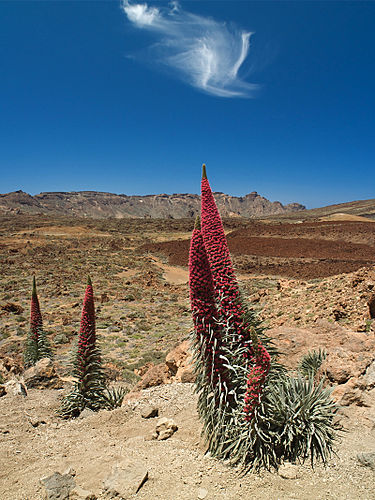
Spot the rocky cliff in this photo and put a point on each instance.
(102, 205)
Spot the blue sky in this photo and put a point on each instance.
(274, 96)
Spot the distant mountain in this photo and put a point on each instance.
(103, 205)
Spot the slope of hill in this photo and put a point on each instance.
(103, 205)
(341, 211)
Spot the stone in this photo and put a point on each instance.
(349, 353)
(43, 375)
(79, 493)
(369, 377)
(58, 486)
(185, 374)
(11, 307)
(156, 375)
(349, 394)
(86, 413)
(150, 412)
(10, 366)
(202, 493)
(367, 459)
(371, 306)
(288, 471)
(180, 363)
(175, 358)
(126, 479)
(35, 421)
(2, 391)
(165, 428)
(16, 387)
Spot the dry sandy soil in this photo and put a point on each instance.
(177, 467)
(294, 275)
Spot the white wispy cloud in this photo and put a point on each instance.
(203, 52)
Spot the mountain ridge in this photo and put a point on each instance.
(98, 204)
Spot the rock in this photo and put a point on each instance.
(367, 459)
(35, 421)
(288, 471)
(143, 369)
(79, 493)
(16, 387)
(150, 412)
(165, 428)
(156, 375)
(349, 393)
(10, 366)
(43, 375)
(126, 479)
(202, 493)
(349, 353)
(371, 306)
(180, 364)
(175, 358)
(58, 486)
(2, 391)
(14, 308)
(185, 374)
(369, 377)
(86, 413)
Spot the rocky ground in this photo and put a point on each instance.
(141, 295)
(35, 444)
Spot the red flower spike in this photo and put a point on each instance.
(36, 322)
(228, 295)
(87, 336)
(202, 298)
(215, 242)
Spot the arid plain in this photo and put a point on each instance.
(312, 283)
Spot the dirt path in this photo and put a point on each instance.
(172, 274)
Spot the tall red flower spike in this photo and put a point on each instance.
(36, 322)
(228, 294)
(202, 299)
(87, 336)
(215, 242)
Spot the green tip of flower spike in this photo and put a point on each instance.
(197, 224)
(204, 174)
(89, 282)
(34, 287)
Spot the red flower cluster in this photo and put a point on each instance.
(226, 286)
(36, 323)
(214, 277)
(255, 380)
(202, 301)
(87, 336)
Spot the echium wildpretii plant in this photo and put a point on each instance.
(253, 413)
(37, 346)
(90, 389)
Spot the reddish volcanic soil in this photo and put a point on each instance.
(307, 250)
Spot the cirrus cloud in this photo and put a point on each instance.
(203, 52)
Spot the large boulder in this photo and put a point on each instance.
(43, 375)
(350, 362)
(349, 353)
